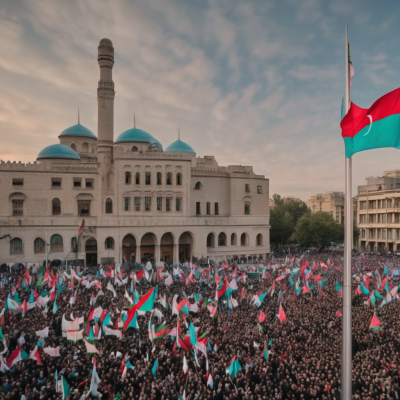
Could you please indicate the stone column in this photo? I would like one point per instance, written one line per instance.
(176, 253)
(157, 254)
(137, 256)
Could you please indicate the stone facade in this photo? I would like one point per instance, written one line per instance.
(330, 202)
(378, 212)
(137, 203)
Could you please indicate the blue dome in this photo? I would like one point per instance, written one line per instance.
(178, 145)
(78, 130)
(134, 135)
(58, 151)
(155, 144)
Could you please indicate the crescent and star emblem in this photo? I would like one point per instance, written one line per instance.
(370, 124)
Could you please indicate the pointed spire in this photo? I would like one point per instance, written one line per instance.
(79, 117)
(134, 120)
(179, 133)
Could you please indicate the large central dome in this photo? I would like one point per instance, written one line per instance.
(134, 135)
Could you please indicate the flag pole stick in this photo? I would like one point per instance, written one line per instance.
(346, 386)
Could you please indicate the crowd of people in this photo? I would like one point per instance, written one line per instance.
(270, 332)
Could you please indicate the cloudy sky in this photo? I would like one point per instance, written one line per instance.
(252, 82)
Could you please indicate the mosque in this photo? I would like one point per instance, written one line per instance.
(99, 199)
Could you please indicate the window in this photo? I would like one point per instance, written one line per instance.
(233, 239)
(247, 208)
(109, 209)
(389, 218)
(198, 209)
(208, 209)
(159, 178)
(243, 239)
(56, 244)
(216, 209)
(222, 239)
(179, 179)
(56, 207)
(147, 204)
(383, 233)
(16, 246)
(168, 202)
(247, 188)
(73, 147)
(137, 178)
(169, 178)
(363, 233)
(84, 207)
(127, 203)
(17, 207)
(138, 201)
(148, 178)
(159, 203)
(77, 182)
(259, 189)
(18, 182)
(389, 203)
(379, 203)
(210, 240)
(74, 244)
(128, 178)
(85, 148)
(178, 204)
(259, 240)
(383, 203)
(89, 183)
(135, 149)
(198, 186)
(56, 182)
(384, 218)
(38, 246)
(109, 243)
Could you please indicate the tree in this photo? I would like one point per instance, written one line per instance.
(283, 219)
(319, 230)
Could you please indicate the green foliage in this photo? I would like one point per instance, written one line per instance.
(319, 230)
(283, 219)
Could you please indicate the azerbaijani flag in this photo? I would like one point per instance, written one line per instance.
(155, 368)
(64, 387)
(373, 128)
(264, 353)
(233, 368)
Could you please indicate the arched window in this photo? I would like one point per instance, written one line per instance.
(56, 244)
(222, 239)
(135, 149)
(74, 244)
(85, 148)
(210, 240)
(38, 246)
(56, 207)
(159, 178)
(179, 179)
(198, 186)
(259, 240)
(16, 246)
(243, 239)
(128, 178)
(233, 239)
(73, 147)
(247, 207)
(137, 178)
(109, 209)
(109, 243)
(169, 178)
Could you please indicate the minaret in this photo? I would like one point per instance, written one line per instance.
(105, 116)
(105, 102)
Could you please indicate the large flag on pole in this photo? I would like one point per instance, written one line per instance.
(374, 127)
(81, 226)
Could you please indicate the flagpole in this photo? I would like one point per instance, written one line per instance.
(346, 387)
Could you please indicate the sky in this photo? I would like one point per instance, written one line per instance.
(251, 82)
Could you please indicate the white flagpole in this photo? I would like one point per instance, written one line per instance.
(348, 210)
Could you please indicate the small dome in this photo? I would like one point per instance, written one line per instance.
(134, 135)
(58, 151)
(181, 146)
(155, 145)
(105, 42)
(78, 130)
